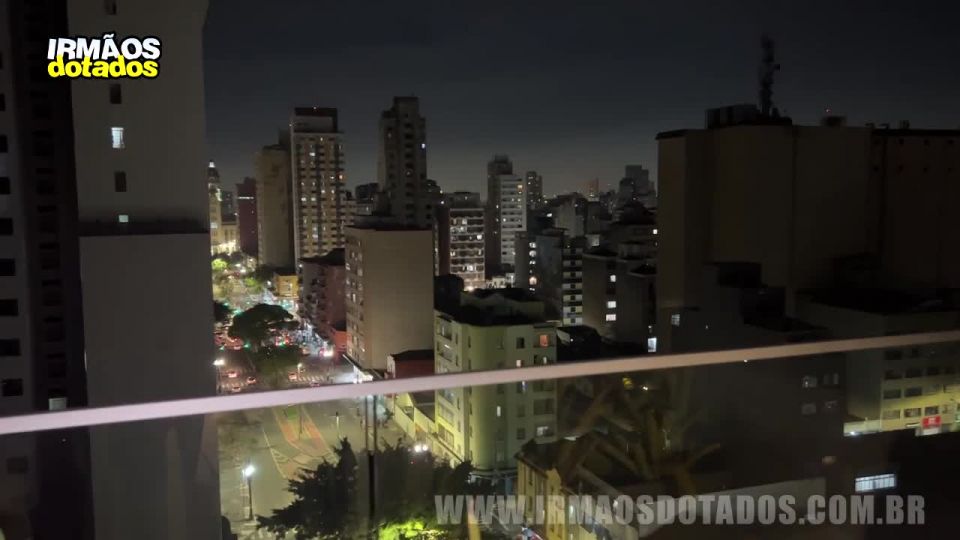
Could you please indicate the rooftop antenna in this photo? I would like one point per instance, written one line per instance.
(768, 67)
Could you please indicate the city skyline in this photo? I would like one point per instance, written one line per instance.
(615, 76)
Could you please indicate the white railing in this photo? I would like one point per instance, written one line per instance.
(72, 418)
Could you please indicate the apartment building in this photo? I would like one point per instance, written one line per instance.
(487, 425)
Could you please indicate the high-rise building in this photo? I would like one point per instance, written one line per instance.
(506, 213)
(635, 186)
(389, 292)
(105, 214)
(619, 292)
(247, 216)
(366, 199)
(593, 189)
(499, 166)
(402, 163)
(796, 199)
(560, 274)
(274, 207)
(215, 201)
(487, 425)
(228, 207)
(534, 183)
(316, 165)
(42, 365)
(460, 228)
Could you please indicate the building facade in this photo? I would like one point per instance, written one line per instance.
(100, 176)
(247, 216)
(322, 294)
(828, 192)
(487, 425)
(534, 184)
(560, 274)
(317, 163)
(499, 166)
(460, 228)
(402, 163)
(389, 292)
(274, 207)
(214, 199)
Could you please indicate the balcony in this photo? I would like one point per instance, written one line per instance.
(801, 423)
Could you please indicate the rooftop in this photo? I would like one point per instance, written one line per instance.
(413, 355)
(886, 301)
(334, 257)
(478, 316)
(510, 293)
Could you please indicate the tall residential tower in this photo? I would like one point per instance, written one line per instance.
(402, 163)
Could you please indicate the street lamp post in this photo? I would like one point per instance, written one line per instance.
(248, 474)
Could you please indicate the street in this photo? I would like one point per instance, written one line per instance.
(273, 445)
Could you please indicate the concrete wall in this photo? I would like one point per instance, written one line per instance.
(150, 341)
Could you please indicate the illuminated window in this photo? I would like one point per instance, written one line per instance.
(611, 317)
(499, 411)
(544, 340)
(652, 344)
(675, 319)
(116, 137)
(613, 278)
(123, 218)
(863, 484)
(611, 303)
(655, 231)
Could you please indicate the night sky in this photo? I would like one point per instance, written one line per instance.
(574, 90)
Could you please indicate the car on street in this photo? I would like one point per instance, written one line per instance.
(236, 389)
(292, 375)
(315, 383)
(251, 380)
(232, 374)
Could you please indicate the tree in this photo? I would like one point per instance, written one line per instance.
(221, 312)
(323, 500)
(272, 362)
(260, 322)
(218, 265)
(331, 502)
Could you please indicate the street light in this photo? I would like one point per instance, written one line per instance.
(218, 363)
(248, 474)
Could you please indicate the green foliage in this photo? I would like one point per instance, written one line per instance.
(219, 265)
(272, 363)
(332, 501)
(221, 312)
(260, 322)
(252, 284)
(323, 500)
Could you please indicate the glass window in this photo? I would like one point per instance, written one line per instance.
(116, 137)
(865, 484)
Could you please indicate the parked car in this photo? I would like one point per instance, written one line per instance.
(232, 374)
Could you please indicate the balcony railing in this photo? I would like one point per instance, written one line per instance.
(795, 424)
